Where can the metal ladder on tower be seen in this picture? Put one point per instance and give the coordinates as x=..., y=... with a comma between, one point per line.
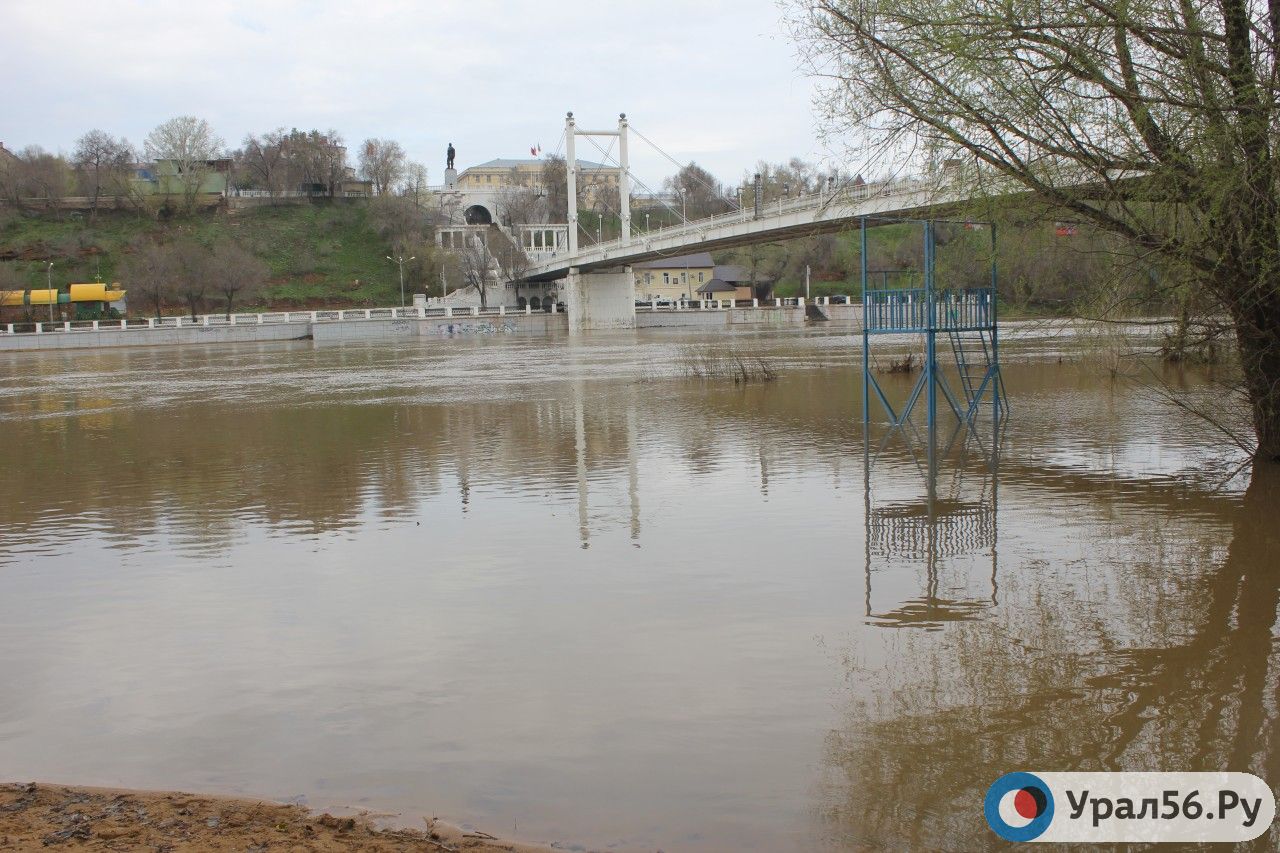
x=973, y=364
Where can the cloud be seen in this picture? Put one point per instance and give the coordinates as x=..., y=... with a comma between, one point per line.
x=709, y=81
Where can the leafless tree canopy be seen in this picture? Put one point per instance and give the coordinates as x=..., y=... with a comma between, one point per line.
x=476, y=266
x=1154, y=120
x=382, y=161
x=555, y=181
x=34, y=175
x=698, y=192
x=265, y=160
x=512, y=261
x=190, y=143
x=279, y=160
x=103, y=162
x=193, y=271
x=521, y=206
x=236, y=273
x=151, y=269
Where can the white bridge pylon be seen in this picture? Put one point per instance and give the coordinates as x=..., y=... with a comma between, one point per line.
x=571, y=132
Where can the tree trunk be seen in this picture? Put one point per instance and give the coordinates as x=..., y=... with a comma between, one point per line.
x=229, y=297
x=1258, y=338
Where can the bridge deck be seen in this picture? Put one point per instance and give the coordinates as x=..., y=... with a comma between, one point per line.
x=784, y=219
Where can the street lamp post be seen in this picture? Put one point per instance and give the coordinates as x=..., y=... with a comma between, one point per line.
x=399, y=261
x=49, y=293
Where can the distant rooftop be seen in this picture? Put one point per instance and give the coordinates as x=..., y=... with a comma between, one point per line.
x=716, y=285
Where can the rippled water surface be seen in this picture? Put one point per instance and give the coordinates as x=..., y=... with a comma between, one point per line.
x=560, y=591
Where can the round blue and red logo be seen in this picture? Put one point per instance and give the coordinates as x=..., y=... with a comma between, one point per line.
x=1019, y=806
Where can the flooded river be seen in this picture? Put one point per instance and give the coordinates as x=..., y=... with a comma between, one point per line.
x=561, y=592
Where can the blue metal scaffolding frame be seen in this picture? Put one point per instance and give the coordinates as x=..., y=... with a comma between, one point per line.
x=968, y=317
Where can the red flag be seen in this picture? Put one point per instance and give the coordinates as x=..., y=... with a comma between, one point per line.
x=533, y=149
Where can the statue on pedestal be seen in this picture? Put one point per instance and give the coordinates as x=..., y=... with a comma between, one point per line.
x=450, y=155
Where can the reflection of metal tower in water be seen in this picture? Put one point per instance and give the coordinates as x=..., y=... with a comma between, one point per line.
x=940, y=533
x=967, y=316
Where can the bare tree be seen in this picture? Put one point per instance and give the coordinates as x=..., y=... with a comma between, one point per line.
x=149, y=271
x=476, y=267
x=382, y=161
x=447, y=212
x=415, y=186
x=555, y=185
x=102, y=159
x=316, y=160
x=41, y=176
x=700, y=194
x=10, y=176
x=398, y=221
x=189, y=143
x=266, y=160
x=193, y=272
x=236, y=273
x=511, y=259
x=1153, y=121
x=424, y=273
x=520, y=206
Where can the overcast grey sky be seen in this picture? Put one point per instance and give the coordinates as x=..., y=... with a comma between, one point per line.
x=714, y=81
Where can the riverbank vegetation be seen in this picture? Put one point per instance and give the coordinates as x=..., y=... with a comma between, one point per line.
x=1150, y=124
x=312, y=255
x=732, y=364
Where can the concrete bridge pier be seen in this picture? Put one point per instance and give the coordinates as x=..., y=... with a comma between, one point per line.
x=599, y=300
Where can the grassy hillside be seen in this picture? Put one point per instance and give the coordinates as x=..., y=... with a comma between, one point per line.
x=317, y=254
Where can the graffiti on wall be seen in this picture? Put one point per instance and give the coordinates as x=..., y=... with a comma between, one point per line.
x=477, y=327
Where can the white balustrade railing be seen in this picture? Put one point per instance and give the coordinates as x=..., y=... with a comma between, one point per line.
x=695, y=228
x=346, y=315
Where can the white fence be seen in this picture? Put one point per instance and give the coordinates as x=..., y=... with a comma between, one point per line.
x=349, y=315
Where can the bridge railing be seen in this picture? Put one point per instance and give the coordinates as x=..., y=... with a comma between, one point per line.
x=813, y=201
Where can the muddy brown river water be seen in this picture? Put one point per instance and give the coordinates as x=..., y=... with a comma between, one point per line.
x=559, y=591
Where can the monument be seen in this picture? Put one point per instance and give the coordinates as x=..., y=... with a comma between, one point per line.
x=450, y=173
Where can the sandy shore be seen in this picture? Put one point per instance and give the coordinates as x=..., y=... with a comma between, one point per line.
x=59, y=817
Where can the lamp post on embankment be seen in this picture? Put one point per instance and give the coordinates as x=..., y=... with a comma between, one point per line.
x=399, y=261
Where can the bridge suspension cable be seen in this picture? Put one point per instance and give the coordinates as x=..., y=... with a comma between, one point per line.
x=638, y=181
x=682, y=166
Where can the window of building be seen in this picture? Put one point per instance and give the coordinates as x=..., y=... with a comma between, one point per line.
x=700, y=278
x=648, y=278
x=666, y=278
x=488, y=179
x=684, y=278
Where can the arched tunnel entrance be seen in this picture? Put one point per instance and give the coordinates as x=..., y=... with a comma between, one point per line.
x=477, y=214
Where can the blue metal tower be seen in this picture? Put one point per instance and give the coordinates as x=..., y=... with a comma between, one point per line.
x=966, y=315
